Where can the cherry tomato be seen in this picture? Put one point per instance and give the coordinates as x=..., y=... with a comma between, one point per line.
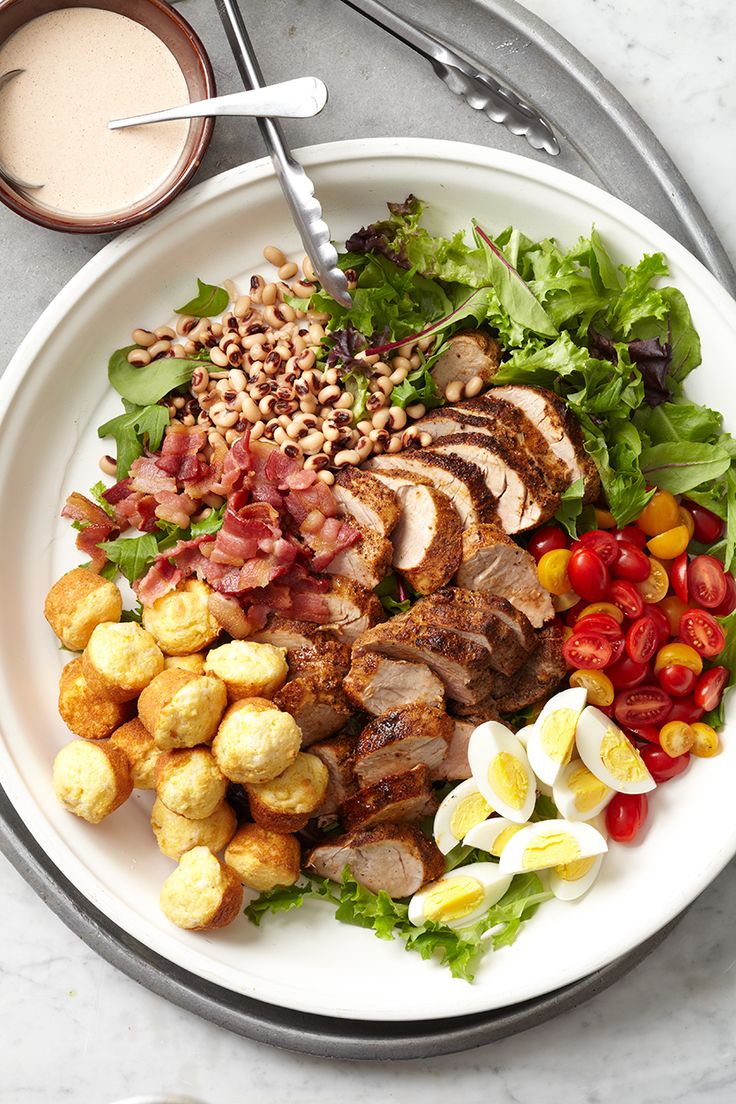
x=625, y=815
x=706, y=742
x=661, y=624
x=627, y=598
x=671, y=543
x=601, y=623
x=681, y=654
x=597, y=684
x=678, y=576
x=642, y=705
x=673, y=608
x=656, y=586
x=633, y=534
x=662, y=512
x=648, y=733
x=710, y=687
x=562, y=602
x=702, y=632
x=662, y=766
x=706, y=582
x=603, y=543
x=688, y=521
x=552, y=571
x=642, y=639
x=588, y=651
x=626, y=673
x=588, y=574
x=685, y=709
x=547, y=539
x=676, y=738
x=728, y=605
x=574, y=614
x=632, y=563
x=677, y=681
x=601, y=607
x=604, y=519
x=709, y=528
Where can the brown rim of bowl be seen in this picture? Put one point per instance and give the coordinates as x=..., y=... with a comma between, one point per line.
x=147, y=209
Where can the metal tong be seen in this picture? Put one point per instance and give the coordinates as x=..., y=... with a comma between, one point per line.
x=297, y=187
x=476, y=86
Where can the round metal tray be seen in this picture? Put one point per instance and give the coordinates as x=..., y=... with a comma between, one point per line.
x=603, y=140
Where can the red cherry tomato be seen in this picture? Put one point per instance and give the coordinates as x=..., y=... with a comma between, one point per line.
x=728, y=605
x=632, y=564
x=709, y=528
x=633, y=534
x=602, y=543
x=625, y=816
x=662, y=766
x=547, y=539
x=625, y=673
x=661, y=622
x=677, y=681
x=685, y=709
x=588, y=574
x=710, y=686
x=706, y=581
x=601, y=623
x=648, y=733
x=588, y=651
x=702, y=632
x=678, y=576
x=642, y=639
x=642, y=705
x=628, y=599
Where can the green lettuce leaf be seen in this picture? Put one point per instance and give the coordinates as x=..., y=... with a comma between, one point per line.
x=209, y=301
x=571, y=507
x=680, y=466
x=211, y=524
x=138, y=428
x=725, y=658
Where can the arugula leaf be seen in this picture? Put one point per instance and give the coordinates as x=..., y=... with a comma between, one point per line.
x=209, y=301
x=680, y=466
x=419, y=386
x=133, y=615
x=97, y=492
x=571, y=507
x=211, y=524
x=139, y=427
x=132, y=555
x=144, y=386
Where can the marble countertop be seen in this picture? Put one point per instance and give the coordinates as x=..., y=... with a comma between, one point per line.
x=74, y=1029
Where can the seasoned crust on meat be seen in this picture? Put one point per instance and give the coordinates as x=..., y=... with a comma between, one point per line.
x=181, y=709
x=367, y=562
x=286, y=803
x=481, y=618
x=351, y=608
x=540, y=675
x=176, y=834
x=136, y=742
x=462, y=481
x=180, y=621
x=400, y=797
x=263, y=859
x=376, y=684
x=401, y=738
x=91, y=779
x=397, y=858
x=427, y=542
x=202, y=893
x=367, y=501
x=77, y=603
x=318, y=704
x=85, y=713
x=326, y=656
x=120, y=660
x=284, y=632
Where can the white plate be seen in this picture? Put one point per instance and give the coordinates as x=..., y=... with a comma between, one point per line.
x=55, y=394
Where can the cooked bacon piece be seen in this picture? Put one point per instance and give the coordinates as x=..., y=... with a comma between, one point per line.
x=117, y=492
x=337, y=755
x=244, y=532
x=160, y=578
x=376, y=684
x=175, y=508
x=148, y=478
x=365, y=500
x=229, y=613
x=96, y=527
x=397, y=858
x=328, y=537
x=493, y=562
x=398, y=740
x=401, y=797
x=179, y=454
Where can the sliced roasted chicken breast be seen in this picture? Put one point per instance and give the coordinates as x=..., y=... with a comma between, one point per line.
x=427, y=542
x=376, y=684
x=337, y=755
x=367, y=501
x=469, y=353
x=397, y=858
x=367, y=561
x=398, y=740
x=352, y=608
x=492, y=562
x=461, y=480
x=400, y=797
x=484, y=619
x=540, y=675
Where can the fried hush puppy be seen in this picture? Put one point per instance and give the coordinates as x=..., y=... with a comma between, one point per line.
x=181, y=709
x=255, y=741
x=91, y=780
x=248, y=669
x=263, y=859
x=120, y=661
x=134, y=739
x=180, y=621
x=189, y=782
x=286, y=803
x=84, y=712
x=202, y=893
x=193, y=663
x=176, y=834
x=78, y=603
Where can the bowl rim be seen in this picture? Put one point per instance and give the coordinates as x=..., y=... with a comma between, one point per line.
x=144, y=211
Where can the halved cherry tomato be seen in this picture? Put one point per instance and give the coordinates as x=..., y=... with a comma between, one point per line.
x=603, y=543
x=671, y=543
x=625, y=816
x=706, y=742
x=601, y=607
x=676, y=738
x=627, y=598
x=655, y=587
x=604, y=519
x=728, y=605
x=706, y=581
x=685, y=709
x=587, y=651
x=710, y=687
x=662, y=766
x=547, y=539
x=597, y=684
x=688, y=521
x=709, y=528
x=662, y=512
x=678, y=653
x=673, y=608
x=632, y=563
x=601, y=623
x=552, y=571
x=642, y=705
x=648, y=733
x=678, y=576
x=588, y=574
x=633, y=534
x=702, y=632
x=661, y=624
x=642, y=639
x=677, y=681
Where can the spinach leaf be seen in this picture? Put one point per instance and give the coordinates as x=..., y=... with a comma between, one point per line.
x=684, y=338
x=209, y=301
x=680, y=466
x=132, y=555
x=145, y=386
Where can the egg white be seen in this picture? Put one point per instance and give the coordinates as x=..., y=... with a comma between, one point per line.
x=488, y=741
x=593, y=729
x=444, y=835
x=566, y=890
x=589, y=842
x=484, y=835
x=545, y=765
x=488, y=876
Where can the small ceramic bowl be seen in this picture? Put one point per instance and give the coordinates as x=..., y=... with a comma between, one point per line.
x=185, y=45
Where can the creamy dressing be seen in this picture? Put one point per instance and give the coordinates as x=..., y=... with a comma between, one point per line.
x=83, y=67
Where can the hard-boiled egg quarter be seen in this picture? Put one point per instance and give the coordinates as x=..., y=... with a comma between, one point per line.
x=492, y=835
x=550, y=843
x=551, y=742
x=610, y=755
x=571, y=880
x=578, y=794
x=461, y=897
x=501, y=771
x=461, y=810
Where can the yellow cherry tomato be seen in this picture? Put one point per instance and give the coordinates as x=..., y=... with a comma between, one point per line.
x=552, y=571
x=706, y=743
x=687, y=520
x=604, y=519
x=603, y=607
x=661, y=513
x=598, y=685
x=674, y=608
x=566, y=633
x=656, y=586
x=562, y=602
x=676, y=738
x=680, y=655
x=671, y=543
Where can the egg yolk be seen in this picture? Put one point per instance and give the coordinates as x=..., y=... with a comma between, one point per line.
x=472, y=810
x=503, y=838
x=574, y=871
x=508, y=779
x=557, y=734
x=589, y=791
x=452, y=899
x=621, y=757
x=551, y=849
